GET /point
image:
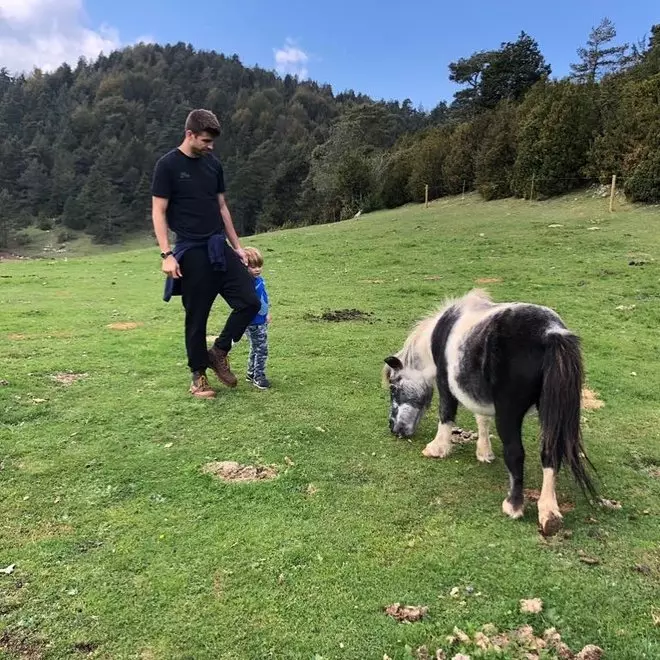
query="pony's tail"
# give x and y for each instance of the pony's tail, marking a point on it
(559, 408)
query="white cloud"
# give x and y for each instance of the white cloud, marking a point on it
(45, 33)
(290, 59)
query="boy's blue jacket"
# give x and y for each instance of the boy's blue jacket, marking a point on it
(260, 289)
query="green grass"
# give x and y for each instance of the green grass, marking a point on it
(124, 549)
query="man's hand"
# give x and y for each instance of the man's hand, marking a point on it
(241, 255)
(171, 267)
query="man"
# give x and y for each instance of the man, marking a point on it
(188, 197)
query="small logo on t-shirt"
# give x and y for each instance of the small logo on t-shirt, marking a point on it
(184, 175)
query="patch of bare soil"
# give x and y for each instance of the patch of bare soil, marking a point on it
(653, 471)
(125, 325)
(21, 646)
(66, 378)
(488, 280)
(519, 644)
(461, 436)
(86, 648)
(531, 606)
(233, 471)
(406, 613)
(339, 315)
(50, 335)
(590, 400)
(433, 278)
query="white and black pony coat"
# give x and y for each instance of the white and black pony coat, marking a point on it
(498, 360)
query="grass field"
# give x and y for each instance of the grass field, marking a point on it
(123, 548)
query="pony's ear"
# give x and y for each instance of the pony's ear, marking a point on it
(394, 362)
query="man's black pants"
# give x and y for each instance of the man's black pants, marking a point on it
(200, 285)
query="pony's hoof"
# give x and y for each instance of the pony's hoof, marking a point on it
(512, 512)
(431, 451)
(485, 457)
(550, 523)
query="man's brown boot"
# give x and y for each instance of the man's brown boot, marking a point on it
(200, 386)
(220, 365)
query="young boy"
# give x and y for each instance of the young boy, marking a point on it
(257, 330)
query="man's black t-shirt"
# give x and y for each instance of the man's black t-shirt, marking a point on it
(191, 185)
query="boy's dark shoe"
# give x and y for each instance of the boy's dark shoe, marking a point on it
(262, 383)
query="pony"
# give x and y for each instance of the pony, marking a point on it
(501, 361)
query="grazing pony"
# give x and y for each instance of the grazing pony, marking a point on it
(498, 360)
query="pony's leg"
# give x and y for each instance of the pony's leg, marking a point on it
(484, 449)
(550, 518)
(440, 446)
(509, 428)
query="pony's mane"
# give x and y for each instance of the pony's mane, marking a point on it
(416, 351)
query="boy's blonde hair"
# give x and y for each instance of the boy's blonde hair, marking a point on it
(254, 257)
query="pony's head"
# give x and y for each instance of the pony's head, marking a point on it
(411, 392)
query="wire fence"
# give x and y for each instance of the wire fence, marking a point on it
(533, 188)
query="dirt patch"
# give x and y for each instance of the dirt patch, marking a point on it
(531, 606)
(587, 559)
(126, 325)
(44, 531)
(67, 378)
(533, 495)
(408, 613)
(50, 335)
(488, 280)
(233, 471)
(432, 278)
(590, 400)
(520, 643)
(461, 436)
(85, 647)
(339, 315)
(218, 585)
(20, 645)
(653, 471)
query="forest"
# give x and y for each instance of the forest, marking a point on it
(78, 145)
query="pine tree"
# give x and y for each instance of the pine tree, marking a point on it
(595, 59)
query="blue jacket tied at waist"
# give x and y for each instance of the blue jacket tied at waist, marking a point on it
(216, 247)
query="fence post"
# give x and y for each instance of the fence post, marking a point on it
(612, 191)
(463, 195)
(426, 196)
(531, 194)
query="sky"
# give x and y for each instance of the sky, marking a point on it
(386, 49)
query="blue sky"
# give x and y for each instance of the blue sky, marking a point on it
(385, 49)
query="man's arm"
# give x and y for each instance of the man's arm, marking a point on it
(229, 228)
(159, 218)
